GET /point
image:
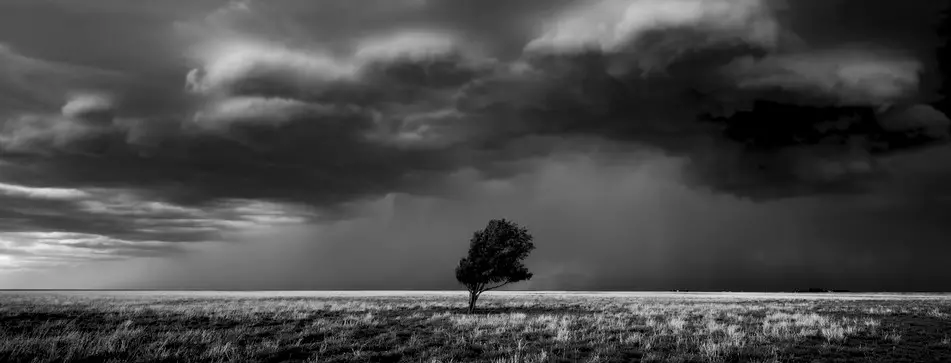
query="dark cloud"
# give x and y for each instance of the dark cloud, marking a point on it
(689, 79)
(783, 119)
(197, 105)
(28, 83)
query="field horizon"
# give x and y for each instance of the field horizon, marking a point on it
(509, 291)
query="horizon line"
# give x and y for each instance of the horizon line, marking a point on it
(527, 291)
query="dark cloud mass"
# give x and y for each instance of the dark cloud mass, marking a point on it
(173, 124)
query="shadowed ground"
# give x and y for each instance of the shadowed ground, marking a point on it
(100, 326)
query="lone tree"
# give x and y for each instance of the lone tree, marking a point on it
(495, 258)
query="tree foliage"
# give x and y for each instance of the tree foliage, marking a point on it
(495, 258)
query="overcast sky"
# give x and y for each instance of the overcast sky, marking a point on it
(341, 144)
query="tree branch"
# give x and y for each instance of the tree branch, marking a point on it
(495, 287)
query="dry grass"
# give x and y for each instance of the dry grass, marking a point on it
(48, 327)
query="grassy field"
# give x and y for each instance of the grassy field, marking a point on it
(510, 327)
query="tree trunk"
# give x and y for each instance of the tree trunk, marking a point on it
(473, 296)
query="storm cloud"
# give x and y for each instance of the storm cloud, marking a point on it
(204, 120)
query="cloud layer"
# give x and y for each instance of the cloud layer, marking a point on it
(285, 104)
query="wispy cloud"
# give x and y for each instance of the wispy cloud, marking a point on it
(53, 225)
(41, 193)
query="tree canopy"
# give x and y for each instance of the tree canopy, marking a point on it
(495, 258)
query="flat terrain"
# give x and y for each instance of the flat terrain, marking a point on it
(96, 326)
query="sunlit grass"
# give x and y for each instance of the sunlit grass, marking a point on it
(434, 328)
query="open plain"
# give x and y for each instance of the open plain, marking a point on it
(393, 326)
